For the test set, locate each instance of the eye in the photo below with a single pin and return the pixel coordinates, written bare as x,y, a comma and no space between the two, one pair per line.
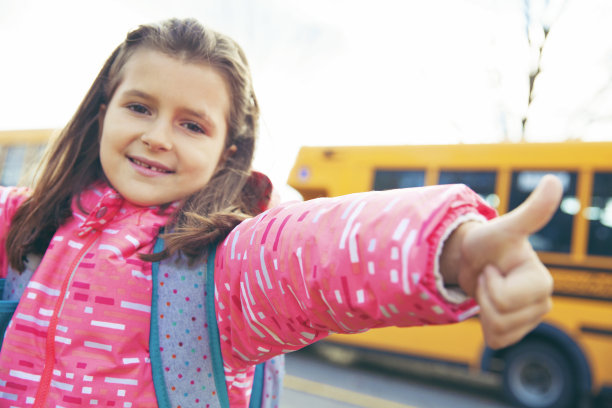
194,127
138,108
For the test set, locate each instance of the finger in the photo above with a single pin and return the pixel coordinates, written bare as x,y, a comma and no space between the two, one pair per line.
504,321
506,329
526,284
535,212
501,329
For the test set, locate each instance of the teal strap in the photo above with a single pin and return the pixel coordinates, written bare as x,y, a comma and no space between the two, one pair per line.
213,330
156,363
7,308
257,394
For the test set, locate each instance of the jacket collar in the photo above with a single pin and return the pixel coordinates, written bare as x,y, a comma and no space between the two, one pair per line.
103,204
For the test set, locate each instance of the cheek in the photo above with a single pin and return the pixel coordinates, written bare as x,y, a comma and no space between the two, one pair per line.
112,142
104,149
205,156
203,171
108,154
202,165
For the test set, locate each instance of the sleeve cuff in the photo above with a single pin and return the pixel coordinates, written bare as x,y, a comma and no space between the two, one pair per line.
452,293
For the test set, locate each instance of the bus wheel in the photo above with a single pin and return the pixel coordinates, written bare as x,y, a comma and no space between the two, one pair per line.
537,375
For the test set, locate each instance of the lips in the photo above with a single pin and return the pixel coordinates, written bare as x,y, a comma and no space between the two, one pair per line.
150,165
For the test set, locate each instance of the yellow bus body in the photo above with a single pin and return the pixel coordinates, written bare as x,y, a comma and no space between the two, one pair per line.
25,137
582,312
20,151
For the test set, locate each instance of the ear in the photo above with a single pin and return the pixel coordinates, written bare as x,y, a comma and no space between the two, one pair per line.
229,152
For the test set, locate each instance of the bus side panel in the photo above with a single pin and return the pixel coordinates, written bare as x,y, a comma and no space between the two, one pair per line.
459,343
584,321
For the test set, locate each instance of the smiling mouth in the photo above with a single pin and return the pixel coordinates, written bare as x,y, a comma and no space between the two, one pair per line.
148,166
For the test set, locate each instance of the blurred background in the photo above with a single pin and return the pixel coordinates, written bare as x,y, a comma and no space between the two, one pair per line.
339,72
392,72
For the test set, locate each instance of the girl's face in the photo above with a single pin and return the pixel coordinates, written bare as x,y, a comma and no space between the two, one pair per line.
164,129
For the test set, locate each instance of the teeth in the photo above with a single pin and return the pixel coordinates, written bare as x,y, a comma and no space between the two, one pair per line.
145,165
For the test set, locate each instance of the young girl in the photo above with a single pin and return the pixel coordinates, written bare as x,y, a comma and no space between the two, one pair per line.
161,146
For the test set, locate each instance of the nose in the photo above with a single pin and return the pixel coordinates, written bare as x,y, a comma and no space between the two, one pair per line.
158,137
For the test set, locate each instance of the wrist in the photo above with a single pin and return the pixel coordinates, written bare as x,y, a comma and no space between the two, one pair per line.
451,258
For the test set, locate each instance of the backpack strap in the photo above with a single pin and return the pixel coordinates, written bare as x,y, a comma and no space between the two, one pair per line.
180,290
213,330
159,382
276,364
216,358
258,387
7,308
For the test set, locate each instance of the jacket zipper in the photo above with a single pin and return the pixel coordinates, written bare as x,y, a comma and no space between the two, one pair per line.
47,374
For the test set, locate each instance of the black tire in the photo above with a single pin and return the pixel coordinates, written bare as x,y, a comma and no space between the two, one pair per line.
537,375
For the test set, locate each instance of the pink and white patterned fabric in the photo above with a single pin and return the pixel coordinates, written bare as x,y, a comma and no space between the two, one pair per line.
300,271
80,334
284,279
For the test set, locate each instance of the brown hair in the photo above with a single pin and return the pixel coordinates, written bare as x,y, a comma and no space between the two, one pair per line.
72,161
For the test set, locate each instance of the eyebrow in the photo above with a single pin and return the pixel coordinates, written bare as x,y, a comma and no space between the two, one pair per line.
203,117
198,114
140,94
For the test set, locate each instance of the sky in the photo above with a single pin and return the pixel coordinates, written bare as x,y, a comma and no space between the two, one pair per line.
344,72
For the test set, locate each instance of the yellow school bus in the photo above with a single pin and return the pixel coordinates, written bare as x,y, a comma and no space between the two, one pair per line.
20,151
566,359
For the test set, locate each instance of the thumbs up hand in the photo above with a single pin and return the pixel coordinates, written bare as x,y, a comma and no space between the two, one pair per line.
495,263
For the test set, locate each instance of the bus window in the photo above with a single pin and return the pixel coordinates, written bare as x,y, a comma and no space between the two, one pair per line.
556,235
13,164
390,179
600,216
482,182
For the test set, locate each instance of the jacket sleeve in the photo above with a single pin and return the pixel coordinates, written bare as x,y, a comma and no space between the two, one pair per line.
301,271
10,200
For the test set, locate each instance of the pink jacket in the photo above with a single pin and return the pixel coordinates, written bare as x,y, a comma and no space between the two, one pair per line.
284,279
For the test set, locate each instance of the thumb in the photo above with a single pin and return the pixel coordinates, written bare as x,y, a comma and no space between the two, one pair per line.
535,212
